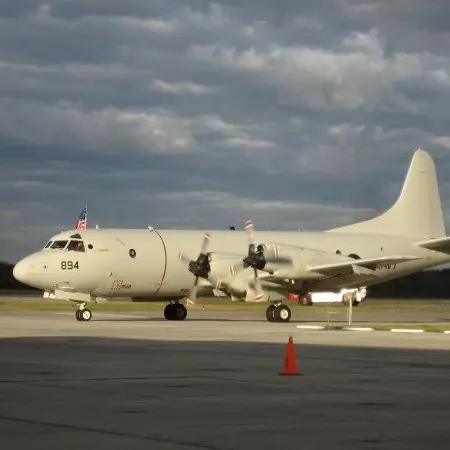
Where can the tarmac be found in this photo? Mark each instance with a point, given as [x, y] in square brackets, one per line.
[134, 380]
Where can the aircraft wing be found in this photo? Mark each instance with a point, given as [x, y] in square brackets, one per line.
[360, 266]
[439, 245]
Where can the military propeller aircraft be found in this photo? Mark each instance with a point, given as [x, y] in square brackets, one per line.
[94, 265]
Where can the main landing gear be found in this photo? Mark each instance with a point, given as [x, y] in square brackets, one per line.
[278, 313]
[175, 311]
[82, 314]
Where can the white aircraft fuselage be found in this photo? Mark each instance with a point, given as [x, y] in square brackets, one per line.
[108, 270]
[93, 264]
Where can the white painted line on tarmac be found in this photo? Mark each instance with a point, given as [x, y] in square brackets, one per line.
[311, 327]
[447, 332]
[406, 330]
[358, 328]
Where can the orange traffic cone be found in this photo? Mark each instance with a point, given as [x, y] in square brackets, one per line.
[290, 361]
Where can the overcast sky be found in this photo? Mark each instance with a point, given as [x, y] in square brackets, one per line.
[193, 114]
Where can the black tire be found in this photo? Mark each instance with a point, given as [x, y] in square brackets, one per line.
[179, 312]
[78, 315]
[282, 313]
[169, 311]
[86, 315]
[270, 313]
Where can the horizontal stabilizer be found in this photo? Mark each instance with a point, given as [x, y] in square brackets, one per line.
[360, 266]
[439, 245]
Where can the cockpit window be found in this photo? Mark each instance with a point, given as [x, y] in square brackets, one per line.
[48, 244]
[76, 246]
[60, 245]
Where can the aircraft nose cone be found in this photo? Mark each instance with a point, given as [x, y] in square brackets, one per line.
[20, 271]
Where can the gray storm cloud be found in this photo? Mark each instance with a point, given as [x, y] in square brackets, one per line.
[198, 114]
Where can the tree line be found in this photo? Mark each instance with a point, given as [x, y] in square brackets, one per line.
[425, 284]
[7, 280]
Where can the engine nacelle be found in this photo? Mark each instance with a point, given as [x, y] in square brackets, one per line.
[289, 261]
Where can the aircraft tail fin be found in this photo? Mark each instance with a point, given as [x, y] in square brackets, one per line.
[417, 212]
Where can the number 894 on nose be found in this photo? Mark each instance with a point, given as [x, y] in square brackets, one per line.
[69, 265]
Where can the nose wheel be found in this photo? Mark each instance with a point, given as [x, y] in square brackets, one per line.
[278, 313]
[175, 311]
[83, 314]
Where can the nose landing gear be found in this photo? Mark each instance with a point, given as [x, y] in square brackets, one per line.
[83, 314]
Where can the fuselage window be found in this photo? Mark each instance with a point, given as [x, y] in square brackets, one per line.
[132, 252]
[76, 246]
[60, 245]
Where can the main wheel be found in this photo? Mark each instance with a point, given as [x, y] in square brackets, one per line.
[282, 313]
[169, 311]
[270, 313]
[83, 315]
[86, 314]
[180, 312]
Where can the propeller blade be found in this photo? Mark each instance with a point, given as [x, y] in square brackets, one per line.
[255, 259]
[250, 229]
[192, 298]
[183, 257]
[199, 267]
[236, 269]
[220, 284]
[205, 243]
[259, 293]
